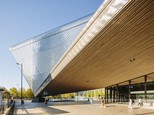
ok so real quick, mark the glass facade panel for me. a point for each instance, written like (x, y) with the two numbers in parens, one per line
(39, 54)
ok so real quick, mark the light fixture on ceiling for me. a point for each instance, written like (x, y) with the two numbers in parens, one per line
(132, 59)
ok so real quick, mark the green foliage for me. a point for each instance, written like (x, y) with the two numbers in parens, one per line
(101, 92)
(96, 93)
(84, 94)
(64, 96)
(13, 91)
(88, 94)
(92, 93)
(29, 93)
(25, 93)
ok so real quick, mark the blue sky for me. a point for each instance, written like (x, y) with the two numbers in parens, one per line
(23, 19)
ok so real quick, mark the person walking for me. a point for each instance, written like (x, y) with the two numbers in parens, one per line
(139, 102)
(103, 102)
(91, 101)
(46, 101)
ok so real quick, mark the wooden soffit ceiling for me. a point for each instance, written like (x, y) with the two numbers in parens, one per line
(122, 50)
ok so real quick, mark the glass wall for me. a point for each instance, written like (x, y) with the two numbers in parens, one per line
(39, 54)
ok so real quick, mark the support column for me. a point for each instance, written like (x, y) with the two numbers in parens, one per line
(110, 94)
(107, 95)
(129, 90)
(114, 95)
(117, 93)
(145, 87)
(122, 97)
(119, 97)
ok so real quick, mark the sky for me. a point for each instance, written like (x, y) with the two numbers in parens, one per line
(23, 19)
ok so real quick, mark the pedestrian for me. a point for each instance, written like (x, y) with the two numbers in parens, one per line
(103, 102)
(139, 102)
(99, 96)
(22, 101)
(130, 104)
(133, 102)
(91, 101)
(12, 99)
(46, 101)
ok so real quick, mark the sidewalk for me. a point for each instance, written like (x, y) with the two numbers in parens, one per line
(77, 109)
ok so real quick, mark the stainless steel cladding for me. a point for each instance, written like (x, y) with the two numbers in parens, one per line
(39, 54)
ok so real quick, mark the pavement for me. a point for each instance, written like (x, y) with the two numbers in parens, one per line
(77, 108)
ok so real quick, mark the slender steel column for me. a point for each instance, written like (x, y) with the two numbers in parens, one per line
(21, 82)
(129, 90)
(145, 86)
(107, 94)
(114, 95)
(117, 93)
(110, 94)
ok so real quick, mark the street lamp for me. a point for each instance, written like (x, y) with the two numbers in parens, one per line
(21, 67)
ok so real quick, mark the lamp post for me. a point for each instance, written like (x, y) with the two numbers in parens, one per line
(21, 67)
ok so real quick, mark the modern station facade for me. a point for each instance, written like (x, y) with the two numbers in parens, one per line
(40, 54)
(111, 49)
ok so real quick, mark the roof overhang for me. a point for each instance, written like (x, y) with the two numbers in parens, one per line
(116, 45)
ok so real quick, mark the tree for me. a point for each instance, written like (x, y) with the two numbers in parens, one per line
(29, 94)
(96, 93)
(64, 96)
(67, 96)
(13, 91)
(88, 93)
(23, 93)
(71, 95)
(84, 94)
(101, 92)
(92, 93)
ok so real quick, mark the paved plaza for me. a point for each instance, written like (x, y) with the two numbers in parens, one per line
(73, 108)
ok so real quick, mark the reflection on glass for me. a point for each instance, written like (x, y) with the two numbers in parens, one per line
(39, 54)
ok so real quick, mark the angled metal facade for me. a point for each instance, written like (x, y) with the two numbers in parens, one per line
(39, 54)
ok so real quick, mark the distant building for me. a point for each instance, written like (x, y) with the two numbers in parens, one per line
(5, 99)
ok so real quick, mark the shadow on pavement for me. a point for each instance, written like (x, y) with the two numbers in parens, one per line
(68, 103)
(112, 106)
(145, 113)
(37, 107)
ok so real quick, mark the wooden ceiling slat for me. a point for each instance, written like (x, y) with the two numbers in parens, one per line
(106, 59)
